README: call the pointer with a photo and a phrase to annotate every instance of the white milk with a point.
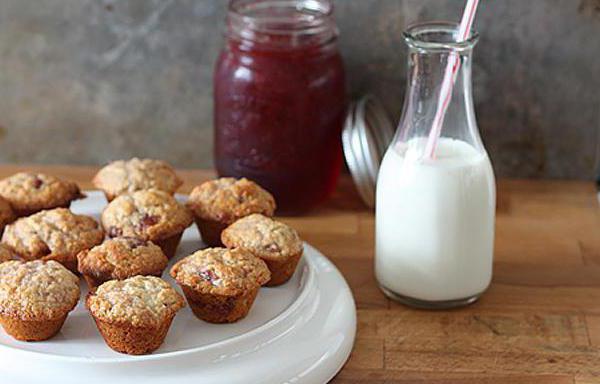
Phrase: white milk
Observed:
(435, 222)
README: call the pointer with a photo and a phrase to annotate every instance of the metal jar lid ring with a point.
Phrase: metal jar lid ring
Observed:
(367, 133)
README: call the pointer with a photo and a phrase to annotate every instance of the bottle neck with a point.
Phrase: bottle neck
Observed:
(276, 25)
(431, 48)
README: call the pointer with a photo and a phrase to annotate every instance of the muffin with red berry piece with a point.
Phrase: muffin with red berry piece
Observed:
(126, 176)
(277, 244)
(29, 192)
(218, 203)
(119, 259)
(57, 234)
(151, 214)
(221, 284)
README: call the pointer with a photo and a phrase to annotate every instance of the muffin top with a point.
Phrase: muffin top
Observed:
(6, 253)
(228, 199)
(37, 290)
(262, 236)
(139, 301)
(122, 257)
(56, 234)
(149, 214)
(122, 176)
(7, 215)
(221, 271)
(31, 192)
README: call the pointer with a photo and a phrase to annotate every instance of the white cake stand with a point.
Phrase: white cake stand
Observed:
(300, 332)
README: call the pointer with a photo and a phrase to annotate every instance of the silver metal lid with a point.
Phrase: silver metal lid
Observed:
(367, 133)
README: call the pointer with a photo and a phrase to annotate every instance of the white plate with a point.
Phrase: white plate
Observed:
(300, 332)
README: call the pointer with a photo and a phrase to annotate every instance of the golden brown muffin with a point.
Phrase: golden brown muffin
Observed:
(35, 298)
(134, 315)
(57, 234)
(148, 215)
(218, 203)
(220, 284)
(120, 177)
(275, 243)
(7, 215)
(119, 259)
(29, 193)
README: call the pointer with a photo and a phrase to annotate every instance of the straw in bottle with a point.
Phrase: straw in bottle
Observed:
(449, 79)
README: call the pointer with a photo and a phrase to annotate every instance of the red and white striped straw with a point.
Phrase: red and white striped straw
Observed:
(450, 75)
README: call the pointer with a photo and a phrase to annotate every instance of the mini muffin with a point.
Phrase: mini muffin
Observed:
(218, 203)
(275, 243)
(120, 258)
(7, 215)
(120, 177)
(148, 215)
(6, 253)
(29, 193)
(134, 315)
(221, 284)
(57, 234)
(35, 298)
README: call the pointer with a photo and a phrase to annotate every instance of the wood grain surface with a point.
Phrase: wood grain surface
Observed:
(539, 322)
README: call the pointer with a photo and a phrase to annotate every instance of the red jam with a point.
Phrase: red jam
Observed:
(280, 103)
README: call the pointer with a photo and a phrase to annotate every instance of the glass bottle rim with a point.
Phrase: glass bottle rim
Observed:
(429, 36)
(311, 17)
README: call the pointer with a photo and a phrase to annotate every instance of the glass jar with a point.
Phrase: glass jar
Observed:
(280, 99)
(435, 214)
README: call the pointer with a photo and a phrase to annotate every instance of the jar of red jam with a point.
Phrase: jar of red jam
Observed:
(280, 99)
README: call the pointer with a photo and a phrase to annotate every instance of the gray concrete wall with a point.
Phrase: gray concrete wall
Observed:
(86, 81)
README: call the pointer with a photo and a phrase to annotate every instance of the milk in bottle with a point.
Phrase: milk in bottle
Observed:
(435, 222)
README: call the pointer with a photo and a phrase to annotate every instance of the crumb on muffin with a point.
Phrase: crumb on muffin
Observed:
(56, 234)
(125, 176)
(37, 290)
(122, 257)
(221, 271)
(148, 214)
(139, 301)
(228, 199)
(29, 192)
(263, 236)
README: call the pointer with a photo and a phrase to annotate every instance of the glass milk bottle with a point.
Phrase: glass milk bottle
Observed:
(435, 214)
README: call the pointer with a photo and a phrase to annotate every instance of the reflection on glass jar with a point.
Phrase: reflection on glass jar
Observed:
(280, 101)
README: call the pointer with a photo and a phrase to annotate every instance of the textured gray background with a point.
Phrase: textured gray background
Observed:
(87, 81)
